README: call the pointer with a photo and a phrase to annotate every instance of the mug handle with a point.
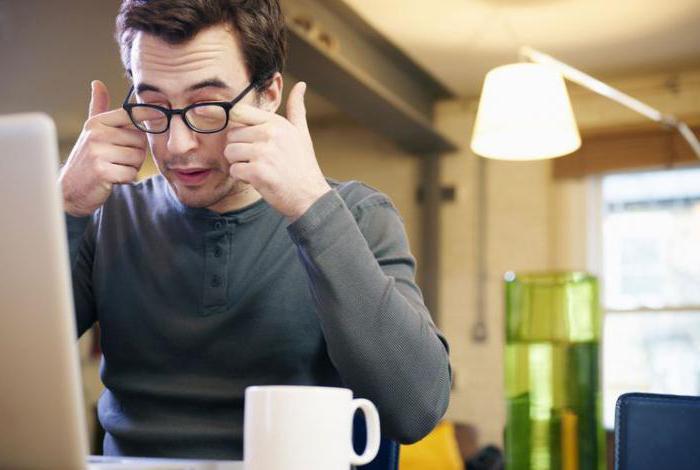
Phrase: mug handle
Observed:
(373, 432)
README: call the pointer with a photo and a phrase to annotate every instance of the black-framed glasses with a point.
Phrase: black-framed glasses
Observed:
(207, 117)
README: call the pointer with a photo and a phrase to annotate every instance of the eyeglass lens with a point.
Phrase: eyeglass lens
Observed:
(205, 118)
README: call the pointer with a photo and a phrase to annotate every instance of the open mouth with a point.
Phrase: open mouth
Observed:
(193, 176)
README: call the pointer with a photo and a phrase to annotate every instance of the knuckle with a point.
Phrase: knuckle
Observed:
(279, 131)
(269, 132)
(91, 124)
(95, 134)
(228, 150)
(139, 157)
(267, 149)
(266, 168)
(96, 149)
(100, 170)
(131, 175)
(91, 147)
(250, 175)
(254, 152)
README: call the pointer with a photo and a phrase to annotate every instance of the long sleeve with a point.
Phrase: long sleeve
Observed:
(379, 334)
(81, 246)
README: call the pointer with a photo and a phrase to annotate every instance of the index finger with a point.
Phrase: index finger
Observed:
(120, 118)
(250, 115)
(114, 118)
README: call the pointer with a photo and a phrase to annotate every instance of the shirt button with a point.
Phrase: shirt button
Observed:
(218, 225)
(215, 281)
(218, 252)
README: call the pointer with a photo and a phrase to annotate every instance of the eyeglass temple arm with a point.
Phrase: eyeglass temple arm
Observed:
(128, 95)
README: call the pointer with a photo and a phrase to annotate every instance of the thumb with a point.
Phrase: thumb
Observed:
(99, 98)
(296, 109)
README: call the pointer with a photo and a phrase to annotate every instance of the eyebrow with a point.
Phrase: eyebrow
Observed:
(208, 83)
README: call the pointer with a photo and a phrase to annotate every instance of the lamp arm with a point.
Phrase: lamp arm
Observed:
(689, 136)
(593, 84)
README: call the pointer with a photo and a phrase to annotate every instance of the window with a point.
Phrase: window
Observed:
(651, 284)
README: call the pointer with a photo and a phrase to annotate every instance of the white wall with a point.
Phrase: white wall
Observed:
(347, 150)
(517, 237)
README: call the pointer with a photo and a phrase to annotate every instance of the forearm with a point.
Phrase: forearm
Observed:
(75, 227)
(80, 248)
(378, 332)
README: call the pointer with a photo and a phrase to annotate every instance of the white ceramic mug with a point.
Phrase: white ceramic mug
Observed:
(305, 428)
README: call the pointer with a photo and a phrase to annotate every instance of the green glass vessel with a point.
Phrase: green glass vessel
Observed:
(553, 326)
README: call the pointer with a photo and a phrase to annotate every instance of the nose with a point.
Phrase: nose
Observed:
(181, 139)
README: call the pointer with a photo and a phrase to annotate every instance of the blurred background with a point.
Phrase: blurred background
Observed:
(394, 89)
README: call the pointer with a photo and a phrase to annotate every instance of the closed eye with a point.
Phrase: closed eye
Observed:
(157, 103)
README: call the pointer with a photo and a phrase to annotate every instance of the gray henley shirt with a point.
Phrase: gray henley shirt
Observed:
(194, 306)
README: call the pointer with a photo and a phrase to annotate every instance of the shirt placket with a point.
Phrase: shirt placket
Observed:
(217, 249)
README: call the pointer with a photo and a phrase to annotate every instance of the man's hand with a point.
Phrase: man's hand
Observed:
(276, 156)
(110, 150)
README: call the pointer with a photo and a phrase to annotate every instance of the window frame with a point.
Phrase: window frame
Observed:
(596, 264)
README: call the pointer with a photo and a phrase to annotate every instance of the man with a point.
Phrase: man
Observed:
(240, 264)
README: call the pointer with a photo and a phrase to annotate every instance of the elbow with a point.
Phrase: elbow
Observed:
(427, 414)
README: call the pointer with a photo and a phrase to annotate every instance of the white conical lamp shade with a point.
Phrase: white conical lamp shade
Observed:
(524, 114)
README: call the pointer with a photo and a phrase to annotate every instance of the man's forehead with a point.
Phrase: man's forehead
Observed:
(214, 82)
(211, 53)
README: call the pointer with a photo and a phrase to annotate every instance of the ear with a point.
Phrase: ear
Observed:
(271, 97)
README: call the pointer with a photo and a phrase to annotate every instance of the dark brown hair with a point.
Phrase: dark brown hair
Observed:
(258, 26)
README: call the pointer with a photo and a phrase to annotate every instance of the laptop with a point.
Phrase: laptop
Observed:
(42, 422)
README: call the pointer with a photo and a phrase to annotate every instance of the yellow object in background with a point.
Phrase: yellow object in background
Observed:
(436, 451)
(569, 440)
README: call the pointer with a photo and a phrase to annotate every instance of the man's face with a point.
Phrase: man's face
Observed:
(210, 67)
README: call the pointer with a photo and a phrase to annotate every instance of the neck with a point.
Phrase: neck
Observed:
(241, 195)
